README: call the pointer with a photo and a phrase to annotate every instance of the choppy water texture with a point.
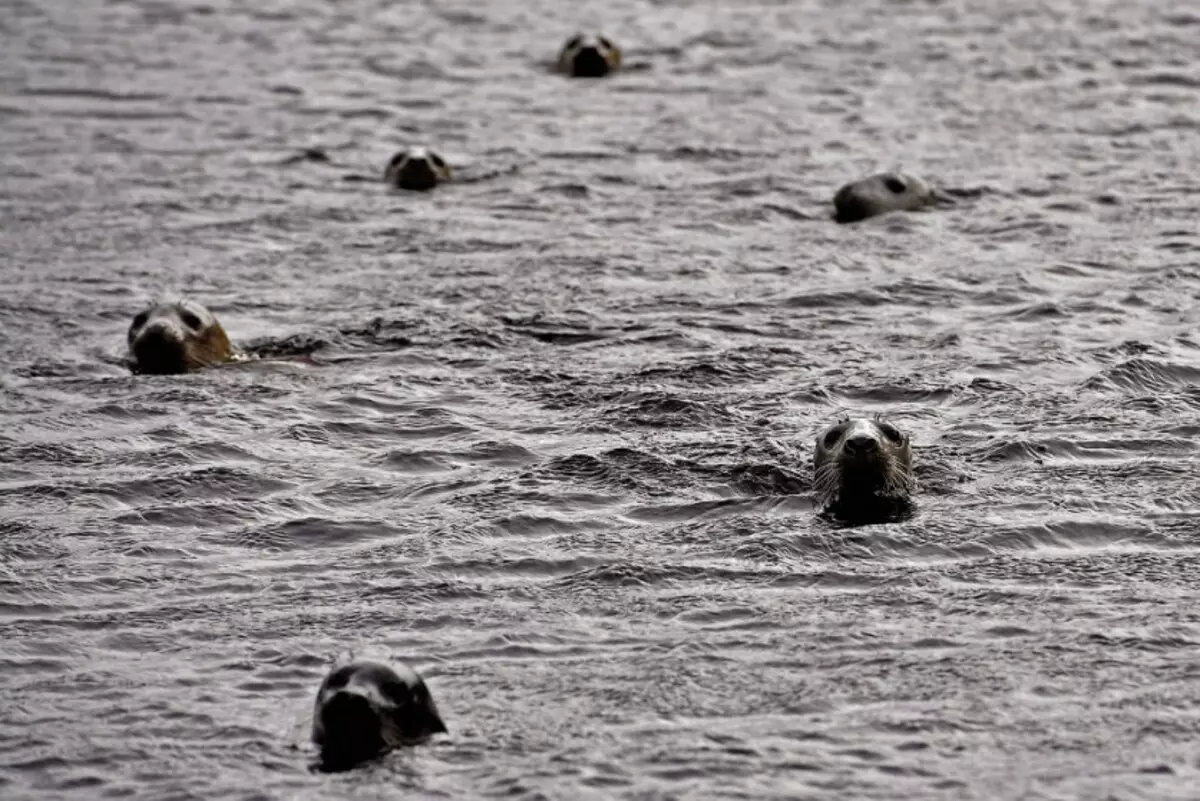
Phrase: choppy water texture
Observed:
(553, 440)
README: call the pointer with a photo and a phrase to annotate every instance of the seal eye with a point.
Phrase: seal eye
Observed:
(140, 320)
(437, 160)
(832, 436)
(190, 320)
(606, 42)
(398, 692)
(573, 42)
(891, 432)
(894, 184)
(397, 159)
(339, 678)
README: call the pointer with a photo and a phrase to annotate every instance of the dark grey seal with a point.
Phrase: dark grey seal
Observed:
(882, 193)
(416, 168)
(862, 471)
(364, 709)
(589, 56)
(171, 338)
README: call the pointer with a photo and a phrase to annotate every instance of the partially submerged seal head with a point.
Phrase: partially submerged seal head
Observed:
(881, 193)
(416, 168)
(588, 56)
(366, 708)
(862, 470)
(176, 337)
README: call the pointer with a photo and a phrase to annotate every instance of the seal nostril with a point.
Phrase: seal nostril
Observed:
(862, 443)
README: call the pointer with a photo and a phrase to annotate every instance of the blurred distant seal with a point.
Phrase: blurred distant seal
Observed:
(416, 168)
(862, 470)
(366, 708)
(882, 193)
(589, 56)
(176, 337)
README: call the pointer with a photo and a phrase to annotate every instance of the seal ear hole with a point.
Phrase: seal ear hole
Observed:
(140, 320)
(895, 184)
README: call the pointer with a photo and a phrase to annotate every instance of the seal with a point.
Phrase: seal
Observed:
(862, 470)
(364, 709)
(589, 56)
(171, 338)
(881, 193)
(416, 168)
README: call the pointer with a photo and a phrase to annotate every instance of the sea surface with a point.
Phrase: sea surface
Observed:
(546, 432)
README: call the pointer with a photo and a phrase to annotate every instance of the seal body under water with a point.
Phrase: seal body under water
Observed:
(589, 56)
(416, 168)
(171, 338)
(883, 193)
(862, 470)
(366, 708)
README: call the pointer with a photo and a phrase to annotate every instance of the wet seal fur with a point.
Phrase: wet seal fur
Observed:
(171, 338)
(862, 471)
(364, 709)
(882, 193)
(416, 168)
(589, 56)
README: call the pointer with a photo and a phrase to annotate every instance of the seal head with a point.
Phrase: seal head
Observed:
(880, 194)
(416, 168)
(862, 470)
(176, 337)
(366, 708)
(588, 56)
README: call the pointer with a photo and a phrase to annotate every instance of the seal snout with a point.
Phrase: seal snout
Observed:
(589, 62)
(352, 726)
(159, 349)
(419, 174)
(861, 444)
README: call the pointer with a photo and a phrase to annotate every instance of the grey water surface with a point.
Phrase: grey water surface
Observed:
(548, 435)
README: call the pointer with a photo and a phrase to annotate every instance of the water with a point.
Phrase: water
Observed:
(551, 439)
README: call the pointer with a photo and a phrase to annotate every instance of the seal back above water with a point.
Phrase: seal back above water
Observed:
(171, 338)
(366, 708)
(862, 469)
